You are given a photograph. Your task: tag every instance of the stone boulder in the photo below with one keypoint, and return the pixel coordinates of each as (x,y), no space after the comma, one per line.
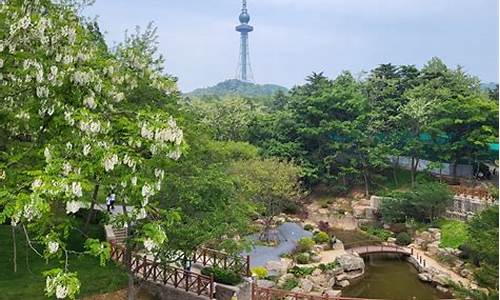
(265,283)
(306,285)
(278,267)
(351,262)
(441,279)
(343,283)
(466,273)
(425,277)
(285,278)
(333,293)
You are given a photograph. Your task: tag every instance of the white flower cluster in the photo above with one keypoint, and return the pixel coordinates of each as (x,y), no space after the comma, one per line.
(159,173)
(147,191)
(92,127)
(68,117)
(52,247)
(86,149)
(76,189)
(162,136)
(89,101)
(36,184)
(42,92)
(70,33)
(62,285)
(61,292)
(66,169)
(82,78)
(73,206)
(127,160)
(110,162)
(141,214)
(31,211)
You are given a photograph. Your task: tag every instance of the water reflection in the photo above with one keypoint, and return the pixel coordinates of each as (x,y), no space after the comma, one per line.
(391,277)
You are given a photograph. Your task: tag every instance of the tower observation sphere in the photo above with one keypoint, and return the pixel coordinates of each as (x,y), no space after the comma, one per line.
(244,72)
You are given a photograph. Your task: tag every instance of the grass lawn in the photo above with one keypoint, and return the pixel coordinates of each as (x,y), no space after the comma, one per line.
(453,233)
(28,283)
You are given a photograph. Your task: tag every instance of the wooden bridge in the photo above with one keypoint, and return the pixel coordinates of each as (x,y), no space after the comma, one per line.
(375,249)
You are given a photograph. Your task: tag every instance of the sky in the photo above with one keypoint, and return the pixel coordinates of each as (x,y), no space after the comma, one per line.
(293,38)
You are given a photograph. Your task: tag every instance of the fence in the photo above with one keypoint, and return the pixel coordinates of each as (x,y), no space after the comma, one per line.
(149,270)
(261,293)
(223,260)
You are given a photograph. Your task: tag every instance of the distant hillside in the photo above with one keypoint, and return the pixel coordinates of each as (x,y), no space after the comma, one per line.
(488,86)
(237,87)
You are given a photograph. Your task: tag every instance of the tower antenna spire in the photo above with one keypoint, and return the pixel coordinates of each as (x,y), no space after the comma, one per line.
(244,72)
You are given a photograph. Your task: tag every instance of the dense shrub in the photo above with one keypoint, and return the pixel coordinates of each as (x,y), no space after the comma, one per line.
(379,232)
(308,227)
(424,203)
(222,275)
(301,272)
(260,272)
(322,238)
(290,207)
(290,284)
(303,258)
(403,239)
(328,266)
(305,244)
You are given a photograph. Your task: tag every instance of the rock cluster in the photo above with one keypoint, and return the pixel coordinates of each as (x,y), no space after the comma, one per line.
(429,241)
(326,282)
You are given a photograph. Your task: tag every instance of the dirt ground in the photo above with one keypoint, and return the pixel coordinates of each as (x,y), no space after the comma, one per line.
(120,295)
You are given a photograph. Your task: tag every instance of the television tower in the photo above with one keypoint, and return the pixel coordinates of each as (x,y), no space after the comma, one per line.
(244,72)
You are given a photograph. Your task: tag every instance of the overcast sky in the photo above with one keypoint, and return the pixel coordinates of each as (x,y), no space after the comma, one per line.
(293,38)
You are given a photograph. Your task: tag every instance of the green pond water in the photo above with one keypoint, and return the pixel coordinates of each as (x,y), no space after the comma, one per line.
(391,277)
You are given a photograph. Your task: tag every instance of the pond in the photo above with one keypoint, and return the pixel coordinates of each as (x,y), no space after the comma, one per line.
(391,277)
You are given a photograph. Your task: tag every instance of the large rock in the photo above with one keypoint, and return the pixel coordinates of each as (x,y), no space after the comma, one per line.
(306,285)
(375,202)
(285,278)
(343,283)
(426,277)
(441,279)
(331,282)
(359,211)
(333,293)
(350,262)
(341,277)
(466,273)
(433,248)
(442,289)
(278,267)
(265,283)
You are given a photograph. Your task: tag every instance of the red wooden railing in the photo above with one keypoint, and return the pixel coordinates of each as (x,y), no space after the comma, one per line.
(149,270)
(222,260)
(261,293)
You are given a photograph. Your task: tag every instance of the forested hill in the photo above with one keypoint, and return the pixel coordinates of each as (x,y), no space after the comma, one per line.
(240,88)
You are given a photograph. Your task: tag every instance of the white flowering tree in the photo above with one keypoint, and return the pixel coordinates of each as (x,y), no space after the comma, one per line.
(69,125)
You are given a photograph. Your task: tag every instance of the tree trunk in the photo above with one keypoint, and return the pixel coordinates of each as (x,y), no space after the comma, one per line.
(367,185)
(91,213)
(412,171)
(394,168)
(454,169)
(14,249)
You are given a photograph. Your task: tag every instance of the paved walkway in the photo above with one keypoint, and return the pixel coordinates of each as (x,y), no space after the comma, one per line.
(430,262)
(288,235)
